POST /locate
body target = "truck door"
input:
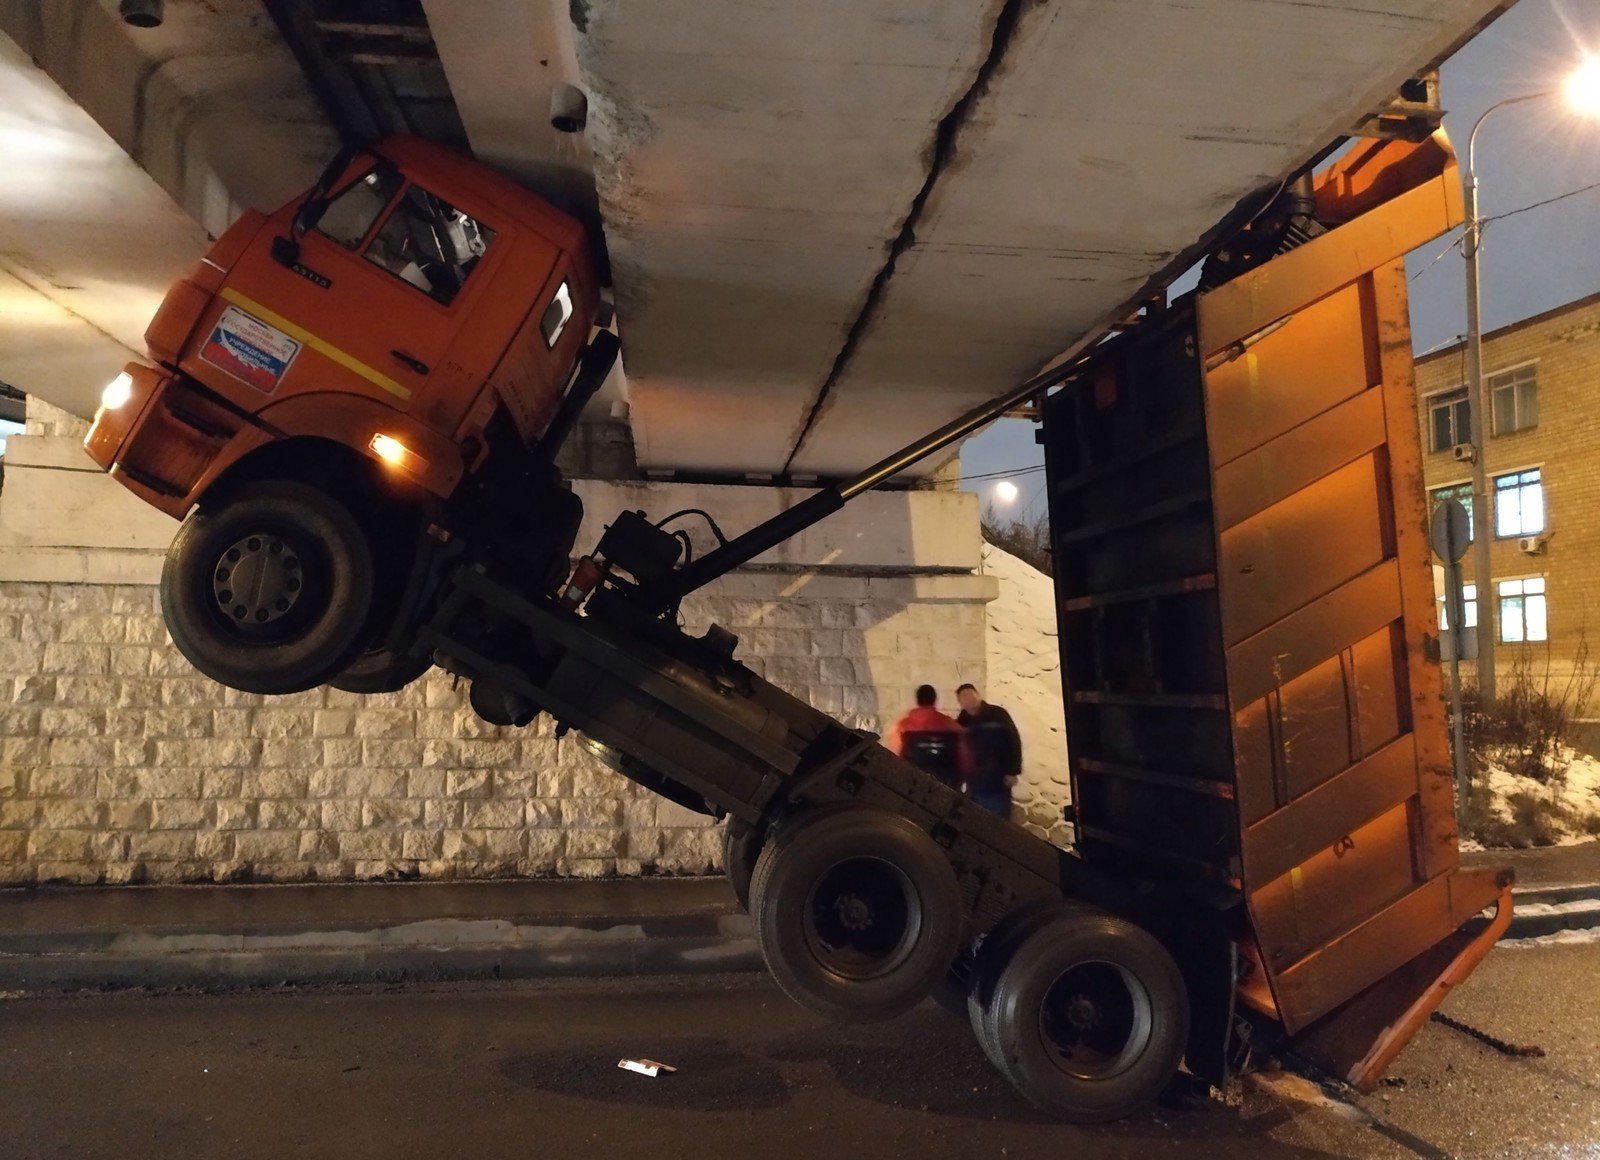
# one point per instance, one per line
(379, 290)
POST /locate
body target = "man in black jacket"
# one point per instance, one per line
(996, 751)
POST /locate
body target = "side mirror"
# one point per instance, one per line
(308, 215)
(316, 202)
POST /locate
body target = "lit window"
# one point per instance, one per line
(1515, 395)
(1522, 610)
(1461, 492)
(1469, 605)
(1518, 504)
(1450, 419)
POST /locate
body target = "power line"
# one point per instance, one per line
(1439, 257)
(1000, 474)
(1500, 217)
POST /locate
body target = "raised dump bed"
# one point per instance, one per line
(1265, 847)
(1246, 607)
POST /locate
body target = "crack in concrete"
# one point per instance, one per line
(943, 153)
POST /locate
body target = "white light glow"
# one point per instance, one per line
(1583, 88)
(118, 391)
(1005, 492)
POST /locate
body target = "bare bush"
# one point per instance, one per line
(1027, 540)
(1529, 731)
(1533, 724)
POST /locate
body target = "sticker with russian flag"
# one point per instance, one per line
(249, 349)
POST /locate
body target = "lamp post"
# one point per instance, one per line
(1583, 94)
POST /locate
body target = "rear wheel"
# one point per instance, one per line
(270, 590)
(995, 951)
(1089, 1017)
(857, 913)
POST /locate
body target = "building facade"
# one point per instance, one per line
(1543, 461)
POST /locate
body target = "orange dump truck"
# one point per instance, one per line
(1264, 850)
(403, 346)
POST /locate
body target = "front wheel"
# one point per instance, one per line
(380, 671)
(270, 590)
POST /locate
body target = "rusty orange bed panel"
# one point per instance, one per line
(1246, 603)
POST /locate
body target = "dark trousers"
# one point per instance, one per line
(996, 801)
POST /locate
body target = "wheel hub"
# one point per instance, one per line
(1095, 1019)
(1082, 1012)
(855, 912)
(257, 580)
(859, 918)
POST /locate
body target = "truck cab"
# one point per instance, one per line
(334, 376)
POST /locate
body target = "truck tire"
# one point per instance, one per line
(379, 671)
(995, 951)
(857, 913)
(309, 576)
(741, 846)
(1089, 1017)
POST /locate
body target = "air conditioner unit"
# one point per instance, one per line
(1533, 545)
(1463, 453)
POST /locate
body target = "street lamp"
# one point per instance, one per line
(1583, 88)
(1582, 92)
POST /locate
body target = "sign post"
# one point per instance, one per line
(1450, 534)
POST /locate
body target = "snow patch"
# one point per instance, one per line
(1558, 938)
(1024, 664)
(1576, 794)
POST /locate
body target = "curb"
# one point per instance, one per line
(1552, 909)
(187, 944)
(210, 937)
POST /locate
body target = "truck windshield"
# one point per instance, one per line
(350, 214)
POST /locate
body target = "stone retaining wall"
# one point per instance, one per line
(120, 763)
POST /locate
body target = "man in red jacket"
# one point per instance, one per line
(931, 741)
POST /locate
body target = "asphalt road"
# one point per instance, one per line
(1450, 1088)
(529, 1070)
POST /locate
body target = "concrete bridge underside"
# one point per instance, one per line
(831, 226)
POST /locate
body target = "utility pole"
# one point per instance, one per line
(1582, 90)
(1478, 393)
(1478, 407)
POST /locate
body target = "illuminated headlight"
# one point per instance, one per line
(118, 391)
(397, 454)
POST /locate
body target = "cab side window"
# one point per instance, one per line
(429, 243)
(351, 213)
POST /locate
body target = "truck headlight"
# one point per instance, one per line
(118, 391)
